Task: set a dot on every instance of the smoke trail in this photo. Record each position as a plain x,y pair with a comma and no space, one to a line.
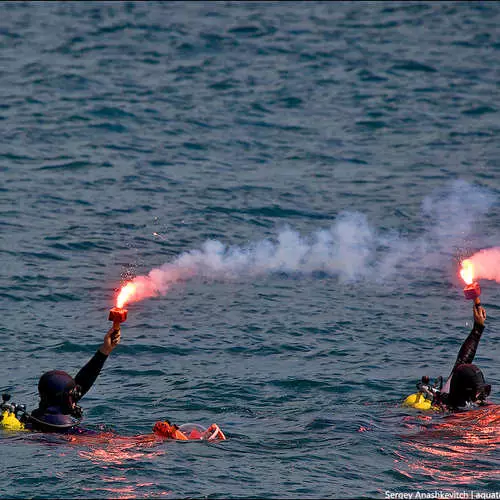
487,264
349,250
344,251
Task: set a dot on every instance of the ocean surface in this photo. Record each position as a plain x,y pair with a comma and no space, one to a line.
312,173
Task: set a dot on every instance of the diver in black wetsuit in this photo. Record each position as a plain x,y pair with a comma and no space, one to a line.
466,385
59,392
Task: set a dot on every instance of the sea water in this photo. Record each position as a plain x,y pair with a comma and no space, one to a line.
326,165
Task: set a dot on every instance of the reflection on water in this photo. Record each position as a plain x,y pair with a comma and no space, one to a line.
109,455
109,448
105,449
456,449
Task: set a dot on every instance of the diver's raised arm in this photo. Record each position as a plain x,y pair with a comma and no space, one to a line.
469,347
89,373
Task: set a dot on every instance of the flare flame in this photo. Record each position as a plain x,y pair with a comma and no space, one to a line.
126,294
467,271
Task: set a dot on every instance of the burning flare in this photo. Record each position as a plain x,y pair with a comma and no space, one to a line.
467,271
472,290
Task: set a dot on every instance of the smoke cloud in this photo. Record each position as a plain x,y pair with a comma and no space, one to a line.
349,250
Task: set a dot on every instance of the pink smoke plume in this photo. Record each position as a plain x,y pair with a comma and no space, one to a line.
486,264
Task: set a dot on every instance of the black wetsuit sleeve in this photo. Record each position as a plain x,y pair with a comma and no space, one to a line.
86,377
469,347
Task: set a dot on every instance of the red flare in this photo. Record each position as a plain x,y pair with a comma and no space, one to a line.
472,291
117,315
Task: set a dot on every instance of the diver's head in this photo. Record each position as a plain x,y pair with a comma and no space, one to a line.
467,385
57,388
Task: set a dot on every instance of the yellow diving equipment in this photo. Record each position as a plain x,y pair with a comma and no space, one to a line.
8,416
423,399
418,401
9,422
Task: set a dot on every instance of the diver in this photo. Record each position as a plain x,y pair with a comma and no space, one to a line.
59,392
465,386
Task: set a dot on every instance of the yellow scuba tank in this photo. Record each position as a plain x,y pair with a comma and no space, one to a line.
8,416
9,422
418,401
422,400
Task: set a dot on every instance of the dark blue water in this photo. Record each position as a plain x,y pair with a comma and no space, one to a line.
358,141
